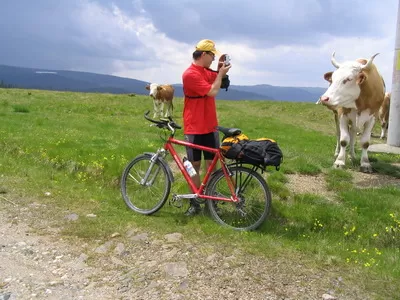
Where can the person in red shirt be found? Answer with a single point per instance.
(200, 86)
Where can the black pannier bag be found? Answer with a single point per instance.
(263, 151)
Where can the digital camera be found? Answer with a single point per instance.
(227, 60)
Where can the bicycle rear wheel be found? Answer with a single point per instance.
(145, 197)
(254, 199)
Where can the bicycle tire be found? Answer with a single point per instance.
(255, 199)
(138, 196)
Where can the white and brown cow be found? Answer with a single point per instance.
(384, 115)
(162, 95)
(355, 94)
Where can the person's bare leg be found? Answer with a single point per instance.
(196, 178)
(195, 208)
(208, 164)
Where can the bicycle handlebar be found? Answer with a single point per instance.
(163, 123)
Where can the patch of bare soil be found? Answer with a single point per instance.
(364, 180)
(302, 184)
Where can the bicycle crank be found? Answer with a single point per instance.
(176, 201)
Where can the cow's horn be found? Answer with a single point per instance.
(334, 62)
(369, 62)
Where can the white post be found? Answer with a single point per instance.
(393, 137)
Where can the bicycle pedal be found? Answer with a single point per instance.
(175, 201)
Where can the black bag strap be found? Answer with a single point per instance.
(192, 97)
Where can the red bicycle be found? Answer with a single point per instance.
(236, 195)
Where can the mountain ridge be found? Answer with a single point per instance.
(64, 80)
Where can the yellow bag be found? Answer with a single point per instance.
(231, 146)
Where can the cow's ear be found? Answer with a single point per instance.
(159, 88)
(328, 76)
(148, 87)
(361, 77)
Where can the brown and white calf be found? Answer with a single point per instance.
(355, 94)
(384, 115)
(162, 95)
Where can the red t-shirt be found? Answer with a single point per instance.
(199, 114)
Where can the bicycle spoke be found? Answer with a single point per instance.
(145, 197)
(133, 178)
(254, 199)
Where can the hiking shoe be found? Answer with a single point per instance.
(193, 210)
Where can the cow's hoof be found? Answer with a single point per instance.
(353, 161)
(338, 166)
(366, 169)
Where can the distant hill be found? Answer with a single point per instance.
(232, 94)
(298, 94)
(91, 82)
(69, 81)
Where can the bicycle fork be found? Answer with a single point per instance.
(145, 180)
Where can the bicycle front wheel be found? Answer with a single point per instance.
(145, 186)
(254, 199)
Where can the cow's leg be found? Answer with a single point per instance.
(156, 109)
(382, 133)
(344, 141)
(365, 165)
(164, 109)
(168, 109)
(337, 134)
(384, 130)
(161, 108)
(353, 133)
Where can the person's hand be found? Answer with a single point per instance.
(221, 61)
(224, 69)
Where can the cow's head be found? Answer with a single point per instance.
(344, 83)
(153, 88)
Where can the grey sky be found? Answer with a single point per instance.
(286, 42)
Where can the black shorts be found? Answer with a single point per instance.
(209, 140)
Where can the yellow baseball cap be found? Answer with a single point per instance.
(207, 45)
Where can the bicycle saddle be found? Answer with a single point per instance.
(229, 131)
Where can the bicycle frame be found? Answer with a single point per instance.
(199, 192)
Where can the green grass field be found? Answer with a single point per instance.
(75, 146)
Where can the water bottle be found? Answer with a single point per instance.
(189, 167)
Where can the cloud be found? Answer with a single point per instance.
(266, 22)
(289, 44)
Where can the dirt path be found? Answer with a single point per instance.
(142, 265)
(36, 262)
